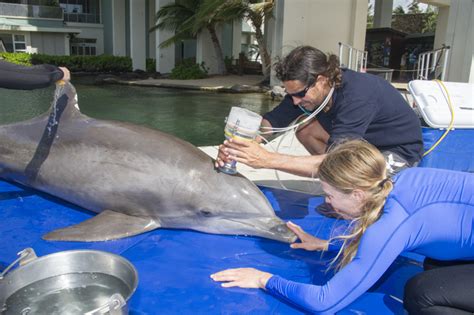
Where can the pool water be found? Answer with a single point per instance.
(195, 116)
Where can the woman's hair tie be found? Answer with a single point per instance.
(383, 181)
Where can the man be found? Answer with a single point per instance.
(19, 77)
(361, 106)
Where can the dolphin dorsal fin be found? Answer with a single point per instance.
(65, 104)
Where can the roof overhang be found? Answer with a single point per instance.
(8, 25)
(437, 3)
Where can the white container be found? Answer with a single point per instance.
(243, 124)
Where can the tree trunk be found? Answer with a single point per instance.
(266, 60)
(221, 69)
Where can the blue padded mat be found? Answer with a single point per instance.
(455, 152)
(174, 265)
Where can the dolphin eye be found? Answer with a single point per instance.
(206, 213)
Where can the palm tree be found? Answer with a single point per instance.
(413, 8)
(256, 12)
(190, 17)
(399, 10)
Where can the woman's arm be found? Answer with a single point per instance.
(13, 76)
(379, 247)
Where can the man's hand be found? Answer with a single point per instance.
(243, 151)
(242, 277)
(308, 242)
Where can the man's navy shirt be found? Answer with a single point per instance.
(364, 106)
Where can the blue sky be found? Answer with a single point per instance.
(404, 4)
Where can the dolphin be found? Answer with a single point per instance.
(137, 179)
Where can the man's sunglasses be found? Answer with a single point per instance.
(301, 93)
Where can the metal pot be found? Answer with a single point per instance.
(70, 282)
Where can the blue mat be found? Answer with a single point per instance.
(174, 265)
(455, 152)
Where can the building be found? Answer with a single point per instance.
(95, 27)
(121, 27)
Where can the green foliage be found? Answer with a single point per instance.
(431, 16)
(102, 63)
(18, 58)
(413, 8)
(370, 16)
(399, 10)
(179, 17)
(51, 3)
(188, 70)
(151, 65)
(228, 63)
(189, 18)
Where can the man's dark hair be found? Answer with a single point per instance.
(305, 63)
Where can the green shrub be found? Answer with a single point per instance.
(18, 58)
(188, 70)
(150, 65)
(102, 63)
(228, 61)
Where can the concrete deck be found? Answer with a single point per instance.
(228, 83)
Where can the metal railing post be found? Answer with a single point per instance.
(445, 63)
(428, 63)
(360, 62)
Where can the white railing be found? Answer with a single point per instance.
(352, 58)
(433, 64)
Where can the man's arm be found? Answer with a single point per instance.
(254, 155)
(283, 114)
(265, 131)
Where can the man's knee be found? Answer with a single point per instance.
(313, 137)
(303, 134)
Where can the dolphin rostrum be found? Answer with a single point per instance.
(137, 179)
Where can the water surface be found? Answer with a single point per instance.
(195, 116)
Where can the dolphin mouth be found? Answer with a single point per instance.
(272, 228)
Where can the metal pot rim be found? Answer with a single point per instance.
(66, 262)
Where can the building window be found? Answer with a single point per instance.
(83, 46)
(7, 40)
(19, 43)
(13, 42)
(81, 11)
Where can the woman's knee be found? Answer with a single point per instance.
(416, 294)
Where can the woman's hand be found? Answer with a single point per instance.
(66, 74)
(242, 277)
(308, 242)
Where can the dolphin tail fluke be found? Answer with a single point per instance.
(108, 225)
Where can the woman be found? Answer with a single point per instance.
(427, 211)
(19, 77)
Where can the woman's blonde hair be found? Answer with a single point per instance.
(356, 164)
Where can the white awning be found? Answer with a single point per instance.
(9, 25)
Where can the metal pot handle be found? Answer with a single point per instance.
(26, 255)
(113, 306)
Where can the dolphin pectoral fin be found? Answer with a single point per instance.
(108, 225)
